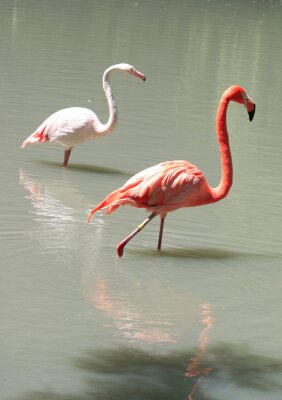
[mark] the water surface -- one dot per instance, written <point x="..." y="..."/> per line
<point x="200" y="320"/>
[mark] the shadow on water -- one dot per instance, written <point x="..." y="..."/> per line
<point x="139" y="375"/>
<point x="198" y="253"/>
<point x="84" y="168"/>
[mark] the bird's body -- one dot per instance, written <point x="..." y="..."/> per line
<point x="170" y="185"/>
<point x="74" y="125"/>
<point x="67" y="127"/>
<point x="163" y="188"/>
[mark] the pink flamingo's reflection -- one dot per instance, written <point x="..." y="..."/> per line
<point x="132" y="326"/>
<point x="195" y="368"/>
<point x="127" y="319"/>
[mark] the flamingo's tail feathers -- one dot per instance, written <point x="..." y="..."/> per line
<point x="95" y="209"/>
<point x="111" y="203"/>
<point x="104" y="206"/>
<point x="36" y="137"/>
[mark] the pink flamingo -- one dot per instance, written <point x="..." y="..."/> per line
<point x="170" y="185"/>
<point x="74" y="125"/>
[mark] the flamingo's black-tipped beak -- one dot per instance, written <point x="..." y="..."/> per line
<point x="252" y="113"/>
<point x="138" y="74"/>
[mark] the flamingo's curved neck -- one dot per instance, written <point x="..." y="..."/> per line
<point x="225" y="184"/>
<point x="104" y="129"/>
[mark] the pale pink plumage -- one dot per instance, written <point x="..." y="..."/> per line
<point x="170" y="185"/>
<point x="74" y="125"/>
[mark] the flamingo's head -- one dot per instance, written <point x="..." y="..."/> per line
<point x="131" y="70"/>
<point x="250" y="106"/>
<point x="238" y="94"/>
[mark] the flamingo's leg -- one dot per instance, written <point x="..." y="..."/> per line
<point x="66" y="157"/>
<point x="161" y="232"/>
<point x="139" y="228"/>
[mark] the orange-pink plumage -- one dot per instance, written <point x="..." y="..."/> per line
<point x="170" y="185"/>
<point x="161" y="188"/>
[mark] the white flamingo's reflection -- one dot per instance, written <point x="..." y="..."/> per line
<point x="55" y="219"/>
<point x="59" y="211"/>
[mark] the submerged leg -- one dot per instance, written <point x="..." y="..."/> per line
<point x="161" y="232"/>
<point x="66" y="157"/>
<point x="139" y="228"/>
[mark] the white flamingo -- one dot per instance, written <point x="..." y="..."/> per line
<point x="74" y="125"/>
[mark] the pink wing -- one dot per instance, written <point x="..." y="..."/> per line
<point x="161" y="188"/>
